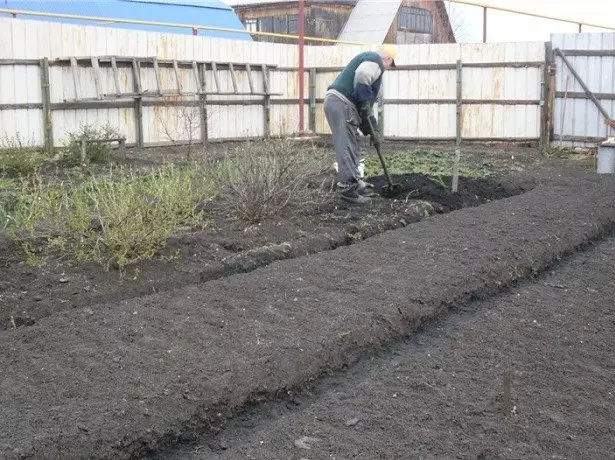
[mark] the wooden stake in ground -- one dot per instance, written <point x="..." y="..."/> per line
<point x="455" y="184"/>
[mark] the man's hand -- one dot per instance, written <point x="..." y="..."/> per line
<point x="365" y="110"/>
<point x="374" y="132"/>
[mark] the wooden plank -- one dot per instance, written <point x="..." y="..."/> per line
<point x="46" y="97"/>
<point x="312" y="97"/>
<point x="73" y="69"/>
<point x="116" y="79"/>
<point x="138" y="102"/>
<point x="214" y="70"/>
<point x="233" y="78"/>
<point x="177" y="79"/>
<point x="266" y="102"/>
<point x="201" y="85"/>
<point x="519" y="140"/>
<point x="157" y="74"/>
<point x="23" y="106"/>
<point x="581" y="95"/>
<point x="546" y="103"/>
<point x="589" y="53"/>
<point x="250" y="78"/>
<point x="464" y="101"/>
<point x="97" y="84"/>
<point x="20" y="62"/>
<point x="136" y="74"/>
<point x="197" y="79"/>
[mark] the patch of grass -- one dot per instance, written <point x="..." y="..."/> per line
<point x="115" y="221"/>
<point x="20" y="157"/>
<point x="259" y="180"/>
<point x="9" y="195"/>
<point x="432" y="163"/>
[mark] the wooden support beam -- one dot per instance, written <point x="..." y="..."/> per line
<point x="250" y="80"/>
<point x="266" y="101"/>
<point x="455" y="183"/>
<point x="46" y="98"/>
<point x="177" y="78"/>
<point x="202" y="84"/>
<point x="233" y="78"/>
<point x="157" y="74"/>
<point x="214" y="70"/>
<point x="73" y="71"/>
<point x="97" y="82"/>
<point x="312" y="98"/>
<point x="116" y="78"/>
<point x="138" y="102"/>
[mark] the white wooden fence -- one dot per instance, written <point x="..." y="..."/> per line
<point x="479" y="91"/>
<point x="578" y="122"/>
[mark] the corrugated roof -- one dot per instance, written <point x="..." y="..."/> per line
<point x="370" y="21"/>
<point x="194" y="12"/>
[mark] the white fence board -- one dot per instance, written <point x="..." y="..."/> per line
<point x="579" y="117"/>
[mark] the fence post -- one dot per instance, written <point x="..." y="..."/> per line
<point x="46" y="97"/>
<point x="312" y="95"/>
<point x="203" y="105"/>
<point x="380" y="102"/>
<point x="455" y="184"/>
<point x="266" y="101"/>
<point x="136" y="75"/>
<point x="546" y="100"/>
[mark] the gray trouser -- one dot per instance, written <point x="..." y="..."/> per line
<point x="343" y="118"/>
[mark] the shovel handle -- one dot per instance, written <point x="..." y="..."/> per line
<point x="382" y="162"/>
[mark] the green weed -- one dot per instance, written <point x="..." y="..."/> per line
<point x="115" y="221"/>
<point x="431" y="163"/>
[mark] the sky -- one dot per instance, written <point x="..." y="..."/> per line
<point x="506" y="27"/>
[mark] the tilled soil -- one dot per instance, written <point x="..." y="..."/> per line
<point x="127" y="378"/>
<point x="527" y="374"/>
<point x="226" y="247"/>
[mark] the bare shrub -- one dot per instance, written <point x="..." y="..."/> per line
<point x="97" y="152"/>
<point x="260" y="179"/>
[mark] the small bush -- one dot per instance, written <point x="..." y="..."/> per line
<point x="19" y="157"/>
<point x="114" y="221"/>
<point x="260" y="179"/>
<point x="97" y="152"/>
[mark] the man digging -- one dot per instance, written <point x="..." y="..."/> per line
<point x="348" y="106"/>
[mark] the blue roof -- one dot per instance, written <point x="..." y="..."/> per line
<point x="193" y="12"/>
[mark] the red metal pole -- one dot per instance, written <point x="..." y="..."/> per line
<point x="301" y="31"/>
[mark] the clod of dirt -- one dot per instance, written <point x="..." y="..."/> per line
<point x="305" y="442"/>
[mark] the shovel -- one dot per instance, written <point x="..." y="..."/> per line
<point x="391" y="188"/>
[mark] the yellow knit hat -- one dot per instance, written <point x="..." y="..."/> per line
<point x="390" y="50"/>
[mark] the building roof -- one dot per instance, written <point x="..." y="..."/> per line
<point x="370" y="21"/>
<point x="194" y="12"/>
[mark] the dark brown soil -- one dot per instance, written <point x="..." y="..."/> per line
<point x="186" y="346"/>
<point x="28" y="294"/>
<point x="527" y="374"/>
